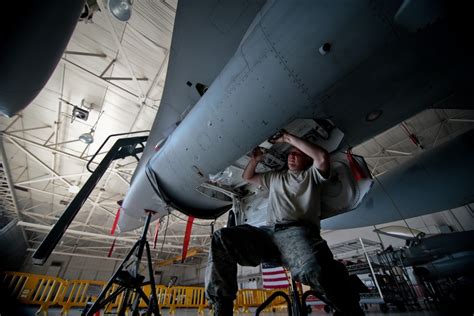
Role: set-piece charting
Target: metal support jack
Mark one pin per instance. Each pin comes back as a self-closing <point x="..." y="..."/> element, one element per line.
<point x="295" y="306"/>
<point x="129" y="281"/>
<point x="122" y="148"/>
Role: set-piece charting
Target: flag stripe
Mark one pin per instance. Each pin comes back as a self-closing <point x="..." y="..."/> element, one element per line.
<point x="274" y="276"/>
<point x="275" y="286"/>
<point x="282" y="282"/>
<point x="281" y="278"/>
<point x="272" y="270"/>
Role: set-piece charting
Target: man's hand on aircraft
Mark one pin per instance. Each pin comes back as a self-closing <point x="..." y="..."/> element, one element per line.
<point x="281" y="137"/>
<point x="257" y="154"/>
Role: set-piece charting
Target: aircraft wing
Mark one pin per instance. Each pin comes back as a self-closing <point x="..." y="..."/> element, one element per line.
<point x="342" y="61"/>
<point x="436" y="180"/>
<point x="33" y="40"/>
<point x="205" y="36"/>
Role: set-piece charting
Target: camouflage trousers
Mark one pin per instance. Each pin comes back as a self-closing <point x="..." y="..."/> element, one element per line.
<point x="301" y="249"/>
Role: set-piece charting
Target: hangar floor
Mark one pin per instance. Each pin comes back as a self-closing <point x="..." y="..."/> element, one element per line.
<point x="374" y="313"/>
<point x="193" y="312"/>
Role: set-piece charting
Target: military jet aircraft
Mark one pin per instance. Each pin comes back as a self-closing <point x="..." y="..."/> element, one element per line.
<point x="433" y="255"/>
<point x="441" y="255"/>
<point x="240" y="71"/>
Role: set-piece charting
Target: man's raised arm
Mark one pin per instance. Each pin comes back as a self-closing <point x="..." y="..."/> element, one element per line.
<point x="249" y="174"/>
<point x="319" y="155"/>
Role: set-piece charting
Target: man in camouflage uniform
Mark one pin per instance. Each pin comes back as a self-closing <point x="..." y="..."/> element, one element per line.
<point x="293" y="234"/>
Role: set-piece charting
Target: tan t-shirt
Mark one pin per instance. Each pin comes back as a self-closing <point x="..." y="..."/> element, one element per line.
<point x="293" y="196"/>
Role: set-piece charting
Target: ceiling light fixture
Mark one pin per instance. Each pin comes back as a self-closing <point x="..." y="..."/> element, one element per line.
<point x="373" y="115"/>
<point x="74" y="189"/>
<point x="120" y="9"/>
<point x="87" y="138"/>
<point x="90" y="7"/>
<point x="79" y="113"/>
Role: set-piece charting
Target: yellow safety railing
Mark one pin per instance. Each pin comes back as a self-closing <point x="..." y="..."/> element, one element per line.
<point x="77" y="293"/>
<point x="34" y="289"/>
<point x="46" y="291"/>
<point x="255" y="297"/>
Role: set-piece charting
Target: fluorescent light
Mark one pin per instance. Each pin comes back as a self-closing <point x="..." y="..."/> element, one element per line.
<point x="74" y="189"/>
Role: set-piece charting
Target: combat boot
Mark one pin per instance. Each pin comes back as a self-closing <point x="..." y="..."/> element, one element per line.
<point x="356" y="310"/>
<point x="224" y="308"/>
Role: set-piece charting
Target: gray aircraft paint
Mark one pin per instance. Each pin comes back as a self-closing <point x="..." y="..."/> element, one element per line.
<point x="442" y="255"/>
<point x="436" y="180"/>
<point x="277" y="74"/>
<point x="265" y="85"/>
<point x="32" y="45"/>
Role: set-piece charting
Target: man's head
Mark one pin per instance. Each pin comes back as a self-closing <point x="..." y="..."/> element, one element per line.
<point x="298" y="160"/>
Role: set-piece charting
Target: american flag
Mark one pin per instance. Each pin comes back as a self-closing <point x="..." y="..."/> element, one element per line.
<point x="274" y="276"/>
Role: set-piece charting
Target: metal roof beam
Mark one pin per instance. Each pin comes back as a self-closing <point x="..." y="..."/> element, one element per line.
<point x="53" y="178"/>
<point x="72" y="52"/>
<point x="30" y="129"/>
<point x="87" y="234"/>
<point x="45" y="166"/>
<point x="10" y="184"/>
<point x="124" y="78"/>
<point x="79" y="255"/>
<point x="60" y="152"/>
<point x="123" y="53"/>
<point x="64" y="197"/>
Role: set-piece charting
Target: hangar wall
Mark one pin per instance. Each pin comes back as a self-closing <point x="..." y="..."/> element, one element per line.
<point x="12" y="244"/>
<point x="67" y="267"/>
<point x="71" y="268"/>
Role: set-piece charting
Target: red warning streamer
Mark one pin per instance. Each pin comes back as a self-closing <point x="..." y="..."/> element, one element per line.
<point x="155" y="238"/>
<point x="111" y="250"/>
<point x="356" y="169"/>
<point x="187" y="236"/>
<point x="414" y="139"/>
<point x="114" y="225"/>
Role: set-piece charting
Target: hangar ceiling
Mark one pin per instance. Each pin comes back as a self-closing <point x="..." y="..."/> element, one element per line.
<point x="116" y="72"/>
